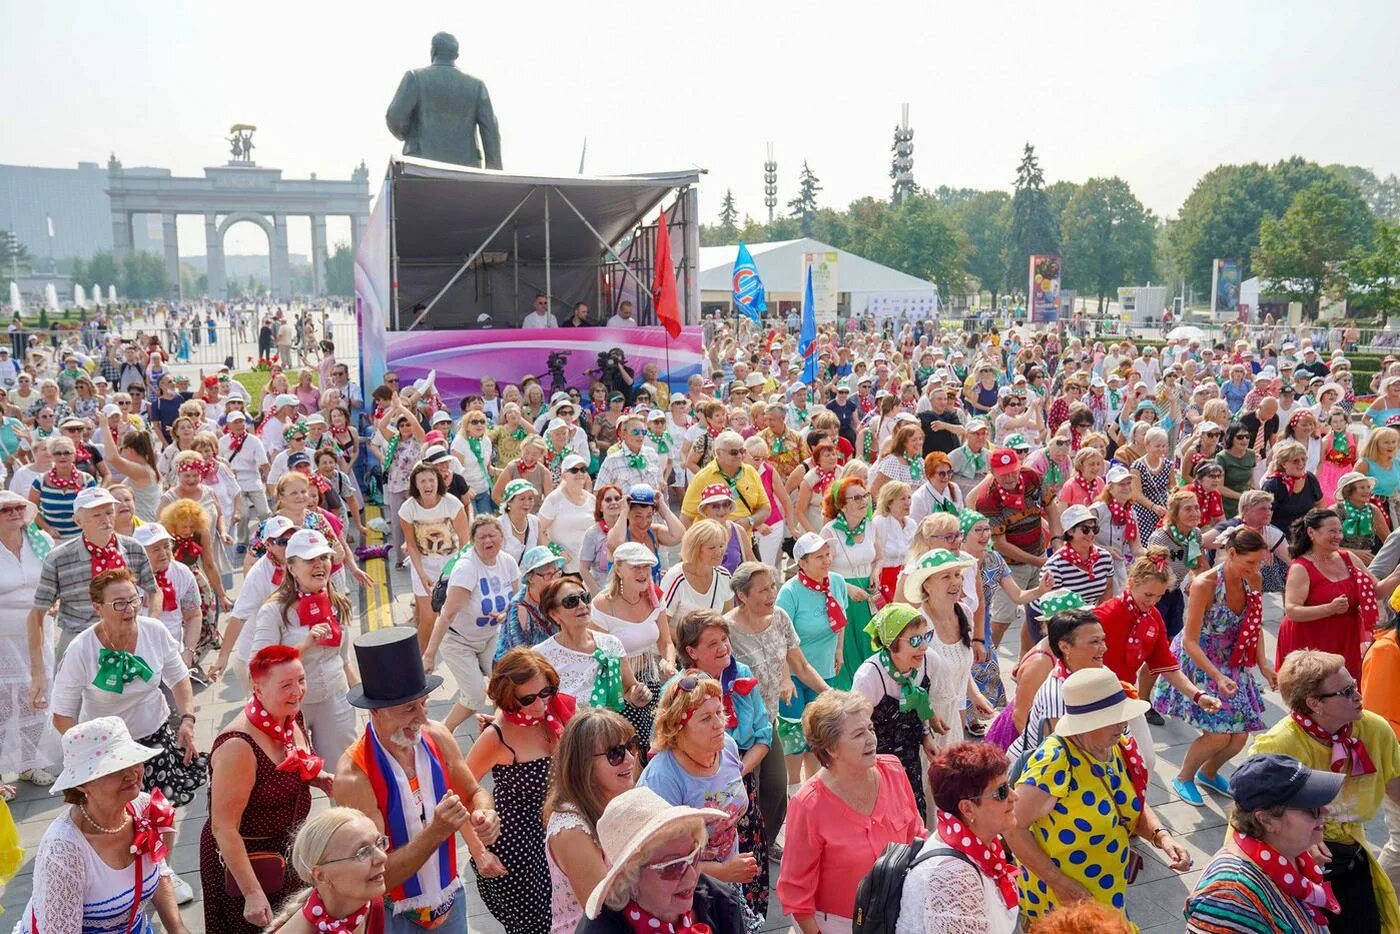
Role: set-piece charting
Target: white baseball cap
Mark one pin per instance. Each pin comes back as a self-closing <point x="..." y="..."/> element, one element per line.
<point x="807" y="544"/>
<point x="91" y="497"/>
<point x="274" y="528"/>
<point x="308" y="543"/>
<point x="150" y="534"/>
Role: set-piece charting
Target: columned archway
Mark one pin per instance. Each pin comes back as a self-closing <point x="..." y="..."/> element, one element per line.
<point x="215" y="253"/>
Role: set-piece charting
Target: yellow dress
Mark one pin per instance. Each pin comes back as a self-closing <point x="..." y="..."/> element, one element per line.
<point x="1084" y="835"/>
<point x="11" y="853"/>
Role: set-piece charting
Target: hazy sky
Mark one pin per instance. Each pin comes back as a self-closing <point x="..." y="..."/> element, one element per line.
<point x="1157" y="93"/>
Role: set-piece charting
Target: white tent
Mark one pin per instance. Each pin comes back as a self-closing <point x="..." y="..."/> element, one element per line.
<point x="861" y="285"/>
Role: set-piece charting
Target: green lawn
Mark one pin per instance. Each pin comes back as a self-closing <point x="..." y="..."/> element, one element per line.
<point x="254" y="382"/>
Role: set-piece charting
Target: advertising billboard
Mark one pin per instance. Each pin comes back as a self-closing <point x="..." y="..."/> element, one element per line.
<point x="1044" y="288"/>
<point x="1225" y="287"/>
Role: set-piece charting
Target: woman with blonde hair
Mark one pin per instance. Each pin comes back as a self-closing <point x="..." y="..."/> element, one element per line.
<point x="699" y="581"/>
<point x="343" y="855"/>
<point x="528" y="465"/>
<point x="629" y="609"/>
<point x="1294" y="488"/>
<point x="1154" y="477"/>
<point x="193" y="543"/>
<point x="938" y="530"/>
<point x="1378" y="460"/>
<point x="894" y="534"/>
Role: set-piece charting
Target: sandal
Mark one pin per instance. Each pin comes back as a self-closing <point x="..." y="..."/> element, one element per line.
<point x="8" y="792"/>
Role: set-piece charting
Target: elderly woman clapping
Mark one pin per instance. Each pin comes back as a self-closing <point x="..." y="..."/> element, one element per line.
<point x="654" y="849"/>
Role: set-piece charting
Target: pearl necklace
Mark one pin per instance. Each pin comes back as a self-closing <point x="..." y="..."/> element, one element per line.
<point x="118" y="829"/>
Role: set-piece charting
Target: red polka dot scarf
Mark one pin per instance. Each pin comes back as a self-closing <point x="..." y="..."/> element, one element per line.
<point x="1142" y="630"/>
<point x="314" y="911"/>
<point x="1246" y="650"/>
<point x="1137" y="769"/>
<point x="106" y="557"/>
<point x="301" y="762"/>
<point x="834" y="614"/>
<point x="643" y="921"/>
<point x="1085" y="563"/>
<point x="559" y="711"/>
<point x="169" y="601"/>
<point x="1299" y="878"/>
<point x="1122" y="514"/>
<point x="1349" y="753"/>
<point x="991" y="860"/>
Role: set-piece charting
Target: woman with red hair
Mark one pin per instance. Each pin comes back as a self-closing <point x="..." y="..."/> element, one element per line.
<point x="855" y="555"/>
<point x="261" y="773"/>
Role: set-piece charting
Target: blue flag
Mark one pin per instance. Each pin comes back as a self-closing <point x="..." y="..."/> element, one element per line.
<point x="749" y="297"/>
<point x="807" y="339"/>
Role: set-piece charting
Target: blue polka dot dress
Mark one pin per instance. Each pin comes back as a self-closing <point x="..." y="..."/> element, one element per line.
<point x="1084" y="835"/>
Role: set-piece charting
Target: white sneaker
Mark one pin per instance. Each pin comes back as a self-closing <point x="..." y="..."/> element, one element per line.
<point x="183" y="893"/>
<point x="37" y="777"/>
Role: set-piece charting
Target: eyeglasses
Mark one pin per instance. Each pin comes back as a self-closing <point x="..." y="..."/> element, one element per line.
<point x="857" y="497"/>
<point x="1000" y="793"/>
<point x="12" y="510"/>
<point x="942" y="473"/>
<point x="121" y="606"/>
<point x="637" y="432"/>
<point x="572" y="601"/>
<point x="1090" y="527"/>
<point x="544" y="693"/>
<point x="731" y="452"/>
<point x="1351" y="692"/>
<point x="577" y="470"/>
<point x="615" y="754"/>
<point x="673" y="869"/>
<point x="364" y="853"/>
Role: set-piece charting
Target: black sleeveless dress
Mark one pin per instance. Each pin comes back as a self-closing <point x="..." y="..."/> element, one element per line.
<point x="900" y="734"/>
<point x="520" y="899"/>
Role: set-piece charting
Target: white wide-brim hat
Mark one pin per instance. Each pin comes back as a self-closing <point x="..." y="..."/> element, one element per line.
<point x="631" y="821"/>
<point x="928" y="564"/>
<point x="1094" y="698"/>
<point x="98" y="747"/>
<point x="31" y="511"/>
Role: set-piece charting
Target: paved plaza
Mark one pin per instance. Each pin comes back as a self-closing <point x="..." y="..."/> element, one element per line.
<point x="1154" y="901"/>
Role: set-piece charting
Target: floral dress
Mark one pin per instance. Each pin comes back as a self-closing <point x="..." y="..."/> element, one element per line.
<point x="1156" y="486"/>
<point x="1220" y="630"/>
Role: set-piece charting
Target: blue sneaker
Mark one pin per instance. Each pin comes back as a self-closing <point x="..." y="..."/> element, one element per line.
<point x="1188" y="792"/>
<point x="1219" y="783"/>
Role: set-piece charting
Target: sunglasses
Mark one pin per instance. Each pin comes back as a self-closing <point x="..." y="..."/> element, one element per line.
<point x="1000" y="793"/>
<point x="1091" y="527"/>
<point x="476" y="421"/>
<point x="943" y="473"/>
<point x="1351" y="692"/>
<point x="572" y="601"/>
<point x="577" y="470"/>
<point x="916" y="640"/>
<point x="615" y="754"/>
<point x="544" y="693"/>
<point x="637" y="432"/>
<point x="671" y="870"/>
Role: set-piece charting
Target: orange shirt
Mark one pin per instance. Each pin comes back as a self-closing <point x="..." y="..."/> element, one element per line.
<point x="1380" y="679"/>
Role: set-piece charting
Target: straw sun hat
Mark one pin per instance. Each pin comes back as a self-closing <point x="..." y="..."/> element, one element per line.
<point x="1094" y="698"/>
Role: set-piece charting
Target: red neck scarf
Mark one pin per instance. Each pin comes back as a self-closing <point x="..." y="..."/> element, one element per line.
<point x="158" y="820"/>
<point x="73" y="481"/>
<point x="1349" y="754"/>
<point x="1212" y="505"/>
<point x="314" y="608"/>
<point x="644" y="923"/>
<point x="1299" y="879"/>
<point x="1085" y="563"/>
<point x="558" y="712"/>
<point x="1291" y="484"/>
<point x="187" y="548"/>
<point x="106" y="557"/>
<point x="301" y="762"/>
<point x="315" y="912"/>
<point x="235" y="443"/>
<point x="522" y="467"/>
<point x="1140" y="630"/>
<point x="824" y="478"/>
<point x="209" y="469"/>
<point x="81" y="454"/>
<point x="278" y="572"/>
<point x="1245" y="652"/>
<point x="731" y="684"/>
<point x="990" y="860"/>
<point x="1013" y="500"/>
<point x="169" y="601"/>
<point x="1122" y="514"/>
<point x="1368" y="609"/>
<point x="1137" y="769"/>
<point x="834" y="614"/>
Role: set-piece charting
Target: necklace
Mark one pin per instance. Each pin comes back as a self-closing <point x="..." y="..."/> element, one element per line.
<point x="118" y="829"/>
<point x="703" y="766"/>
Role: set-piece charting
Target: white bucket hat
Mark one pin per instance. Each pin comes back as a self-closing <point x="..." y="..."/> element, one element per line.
<point x="31" y="511"/>
<point x="632" y="820"/>
<point x="1094" y="698"/>
<point x="98" y="747"/>
<point x="1074" y="515"/>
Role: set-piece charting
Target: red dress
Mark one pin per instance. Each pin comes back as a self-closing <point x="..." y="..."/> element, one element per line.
<point x="1341" y="633"/>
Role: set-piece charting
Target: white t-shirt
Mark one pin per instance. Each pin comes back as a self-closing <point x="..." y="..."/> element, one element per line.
<point x="247" y="463"/>
<point x="617" y="321"/>
<point x="186" y="597"/>
<point x="433" y="531"/>
<point x="568" y="523"/>
<point x="490" y="588"/>
<point x="678" y="596"/>
<point x="578" y="671"/>
<point x="23" y="480"/>
<point x="875" y="684"/>
<point x="541" y="319"/>
<point x="140" y="704"/>
<point x="472" y="471"/>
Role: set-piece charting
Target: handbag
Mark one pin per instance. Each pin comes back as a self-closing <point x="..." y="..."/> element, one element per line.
<point x="269" y="868"/>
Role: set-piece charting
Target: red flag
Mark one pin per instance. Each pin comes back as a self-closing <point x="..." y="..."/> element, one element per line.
<point x="663" y="288"/>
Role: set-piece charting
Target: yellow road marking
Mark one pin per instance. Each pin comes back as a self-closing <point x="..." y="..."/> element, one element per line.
<point x="378" y="603"/>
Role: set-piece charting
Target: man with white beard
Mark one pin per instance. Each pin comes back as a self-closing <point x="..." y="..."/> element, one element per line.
<point x="402" y="750"/>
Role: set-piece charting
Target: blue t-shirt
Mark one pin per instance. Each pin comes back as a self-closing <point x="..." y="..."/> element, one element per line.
<point x="723" y="791"/>
<point x="807" y="609"/>
<point x="1380" y="417"/>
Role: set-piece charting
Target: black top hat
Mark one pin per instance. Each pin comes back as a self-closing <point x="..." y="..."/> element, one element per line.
<point x="391" y="669"/>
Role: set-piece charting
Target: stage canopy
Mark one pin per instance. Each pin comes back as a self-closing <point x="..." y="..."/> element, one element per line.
<point x="441" y="215"/>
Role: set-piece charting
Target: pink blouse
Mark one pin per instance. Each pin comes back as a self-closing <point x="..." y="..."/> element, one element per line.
<point x="830" y="846"/>
<point x="1074" y="492"/>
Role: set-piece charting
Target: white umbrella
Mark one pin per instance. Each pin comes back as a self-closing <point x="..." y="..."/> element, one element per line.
<point x="1186" y="332"/>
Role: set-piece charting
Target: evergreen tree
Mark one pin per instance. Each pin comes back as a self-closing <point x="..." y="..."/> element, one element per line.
<point x="728" y="214"/>
<point x="804" y="206"/>
<point x="1034" y="228"/>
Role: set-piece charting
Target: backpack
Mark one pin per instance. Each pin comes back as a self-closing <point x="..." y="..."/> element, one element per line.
<point x="439" y="594"/>
<point x="877" y="898"/>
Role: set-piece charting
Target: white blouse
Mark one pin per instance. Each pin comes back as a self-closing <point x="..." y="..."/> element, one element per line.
<point x="945" y="893"/>
<point x="894" y="539"/>
<point x="324" y="664"/>
<point x="578" y="670"/>
<point x="140" y="704"/>
<point x="850" y="561"/>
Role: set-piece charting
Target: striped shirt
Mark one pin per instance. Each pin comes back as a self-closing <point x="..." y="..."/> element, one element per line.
<point x="1234" y="896"/>
<point x="66" y="573"/>
<point x="1070" y="575"/>
<point x="56" y="504"/>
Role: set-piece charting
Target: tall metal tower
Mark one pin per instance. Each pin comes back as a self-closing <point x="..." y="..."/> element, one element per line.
<point x="770" y="183"/>
<point x="902" y="165"/>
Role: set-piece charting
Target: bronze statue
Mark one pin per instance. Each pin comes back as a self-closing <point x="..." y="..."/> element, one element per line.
<point x="437" y="112"/>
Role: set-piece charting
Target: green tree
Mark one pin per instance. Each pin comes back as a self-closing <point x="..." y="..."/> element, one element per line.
<point x="1109" y="238"/>
<point x="728" y="213"/>
<point x="1373" y="276"/>
<point x="102" y="269"/>
<point x="985" y="219"/>
<point x="804" y="206"/>
<point x="1220" y="220"/>
<point x="144" y="277"/>
<point x="921" y="237"/>
<point x="14" y="255"/>
<point x="1303" y="253"/>
<point x="340" y="271"/>
<point x="1057" y="195"/>
<point x="1033" y="227"/>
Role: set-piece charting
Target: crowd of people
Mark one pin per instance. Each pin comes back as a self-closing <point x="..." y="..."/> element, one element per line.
<point x="716" y="646"/>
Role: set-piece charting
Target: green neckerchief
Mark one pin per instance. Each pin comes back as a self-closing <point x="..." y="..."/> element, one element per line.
<point x="801" y="415"/>
<point x="911" y="695"/>
<point x="960" y="373"/>
<point x="1053" y="474"/>
<point x="116" y="669"/>
<point x="733" y="482"/>
<point x="916" y="468"/>
<point x="518" y="434"/>
<point x="947" y="505"/>
<point x="1115" y="399"/>
<point x="607" y="684"/>
<point x="924" y="372"/>
<point x="663" y="446"/>
<point x="475" y="445"/>
<point x="38" y="540"/>
<point x="391" y="450"/>
<point x="779" y="444"/>
<point x="976" y="462"/>
<point x="1192" y="543"/>
<point x="555" y="455"/>
<point x="637" y="461"/>
<point x="851" y="533"/>
<point x="1357" y="521"/>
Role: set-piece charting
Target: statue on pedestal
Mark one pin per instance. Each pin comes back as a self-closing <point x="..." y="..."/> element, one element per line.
<point x="438" y="112"/>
